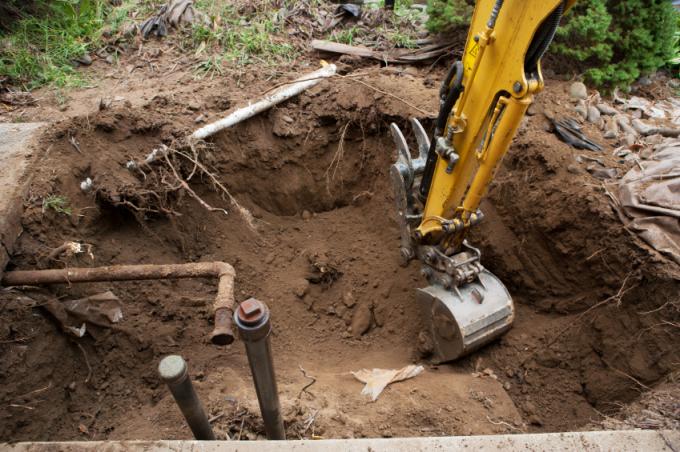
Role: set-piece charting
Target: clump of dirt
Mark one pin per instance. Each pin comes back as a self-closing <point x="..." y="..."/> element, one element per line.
<point x="322" y="252"/>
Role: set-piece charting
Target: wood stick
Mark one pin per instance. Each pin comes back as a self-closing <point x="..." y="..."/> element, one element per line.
<point x="276" y="97"/>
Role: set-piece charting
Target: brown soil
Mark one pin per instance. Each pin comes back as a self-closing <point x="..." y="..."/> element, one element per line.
<point x="592" y="298"/>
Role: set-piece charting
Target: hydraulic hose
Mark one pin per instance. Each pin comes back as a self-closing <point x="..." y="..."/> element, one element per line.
<point x="454" y="90"/>
<point x="542" y="39"/>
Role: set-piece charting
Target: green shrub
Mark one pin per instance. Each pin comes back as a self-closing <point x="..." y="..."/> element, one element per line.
<point x="445" y="15"/>
<point x="612" y="42"/>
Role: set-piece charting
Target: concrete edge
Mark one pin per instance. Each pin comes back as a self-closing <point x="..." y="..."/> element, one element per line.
<point x="610" y="440"/>
<point x="10" y="223"/>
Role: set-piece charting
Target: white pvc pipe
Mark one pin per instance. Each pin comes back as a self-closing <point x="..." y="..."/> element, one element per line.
<point x="276" y="97"/>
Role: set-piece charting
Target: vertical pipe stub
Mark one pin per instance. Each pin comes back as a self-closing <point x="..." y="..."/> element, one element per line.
<point x="172" y="369"/>
<point x="174" y="372"/>
<point x="252" y="320"/>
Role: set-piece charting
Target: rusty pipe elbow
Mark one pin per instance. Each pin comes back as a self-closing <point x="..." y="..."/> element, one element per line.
<point x="223" y="333"/>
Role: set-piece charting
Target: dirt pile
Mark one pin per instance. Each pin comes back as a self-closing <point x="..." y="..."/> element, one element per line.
<point x="324" y="256"/>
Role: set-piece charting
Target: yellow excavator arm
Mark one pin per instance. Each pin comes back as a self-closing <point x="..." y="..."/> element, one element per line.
<point x="500" y="76"/>
<point x="482" y="102"/>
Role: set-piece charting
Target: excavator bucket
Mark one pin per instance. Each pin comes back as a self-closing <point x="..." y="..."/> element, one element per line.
<point x="463" y="320"/>
<point x="463" y="313"/>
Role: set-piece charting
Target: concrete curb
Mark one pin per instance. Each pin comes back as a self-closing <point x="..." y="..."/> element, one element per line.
<point x="620" y="441"/>
<point x="16" y="156"/>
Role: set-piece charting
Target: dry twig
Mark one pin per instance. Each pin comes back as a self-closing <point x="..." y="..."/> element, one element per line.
<point x="337" y="159"/>
<point x="619" y="295"/>
<point x="245" y="213"/>
<point x="308" y="385"/>
<point x="74" y="143"/>
<point x="630" y="377"/>
<point x="512" y="427"/>
<point x="193" y="194"/>
<point x="87" y="363"/>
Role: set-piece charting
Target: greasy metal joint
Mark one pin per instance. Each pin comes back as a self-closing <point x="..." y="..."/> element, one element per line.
<point x="224" y="300"/>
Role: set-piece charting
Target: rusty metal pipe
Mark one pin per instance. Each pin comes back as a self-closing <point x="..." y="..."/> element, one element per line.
<point x="224" y="300"/>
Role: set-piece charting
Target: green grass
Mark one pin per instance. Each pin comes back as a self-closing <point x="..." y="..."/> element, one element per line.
<point x="400" y="39"/>
<point x="40" y="50"/>
<point x="59" y="204"/>
<point x="397" y="29"/>
<point x="210" y="67"/>
<point x="237" y="39"/>
<point x="346" y="36"/>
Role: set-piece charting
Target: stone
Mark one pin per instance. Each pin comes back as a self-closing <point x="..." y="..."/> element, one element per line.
<point x="593" y="115"/>
<point x="348" y="299"/>
<point x="644" y="81"/>
<point x="611" y="128"/>
<point x="535" y="420"/>
<point x="533" y="109"/>
<point x="379" y="315"/>
<point x="300" y="288"/>
<point x="530" y="408"/>
<point x="581" y="109"/>
<point x="85" y="59"/>
<point x="548" y="113"/>
<point x="306" y="215"/>
<point x="287" y="118"/>
<point x="642" y="128"/>
<point x="629" y="139"/>
<point x="578" y="90"/>
<point x="361" y="320"/>
<point x="573" y="169"/>
<point x="606" y="109"/>
<point x="599" y="172"/>
<point x="624" y="123"/>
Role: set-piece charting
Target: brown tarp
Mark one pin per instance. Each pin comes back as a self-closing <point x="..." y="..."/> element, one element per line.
<point x="650" y="198"/>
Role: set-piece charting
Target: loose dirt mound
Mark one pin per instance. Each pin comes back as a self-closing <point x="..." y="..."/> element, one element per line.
<point x="324" y="256"/>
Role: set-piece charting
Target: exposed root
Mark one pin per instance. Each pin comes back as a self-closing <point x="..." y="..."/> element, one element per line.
<point x="332" y="169"/>
<point x="618" y="298"/>
<point x="429" y="114"/>
<point x="503" y="423"/>
<point x="164" y="181"/>
<point x="630" y="377"/>
<point x="193" y="194"/>
<point x="245" y="213"/>
<point x="70" y="249"/>
<point x="308" y="385"/>
<point x="87" y="363"/>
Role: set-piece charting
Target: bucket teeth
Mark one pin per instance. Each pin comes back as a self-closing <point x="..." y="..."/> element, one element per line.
<point x="407" y="165"/>
<point x="422" y="139"/>
<point x="404" y="163"/>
